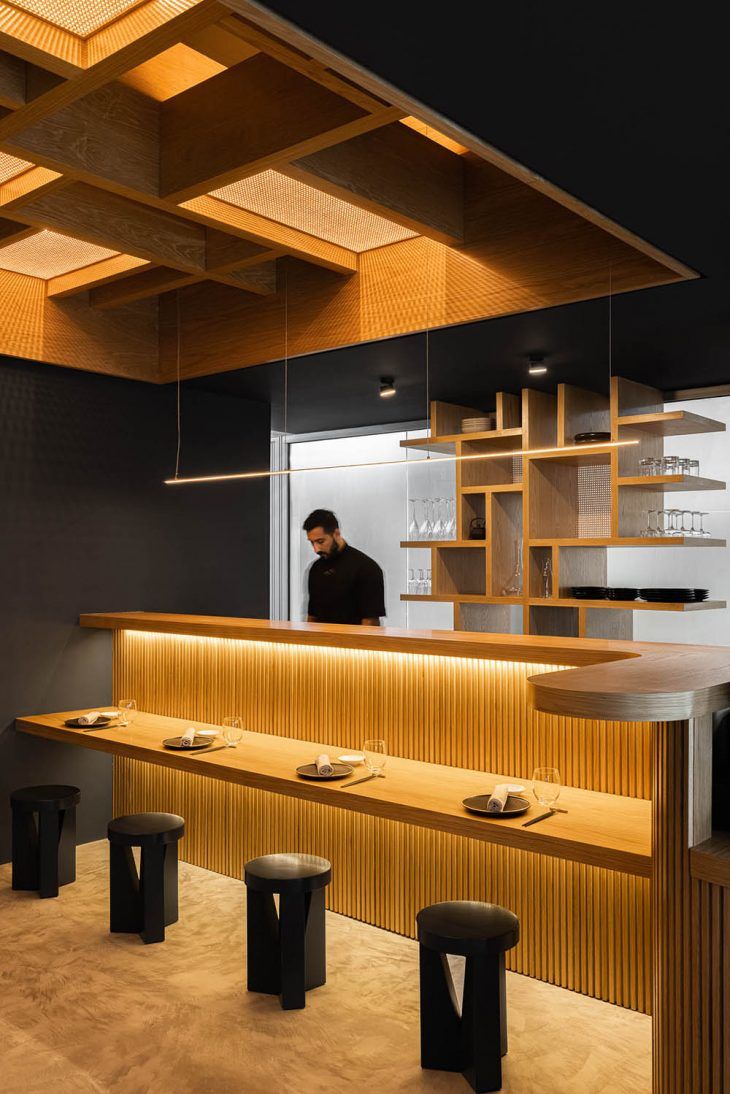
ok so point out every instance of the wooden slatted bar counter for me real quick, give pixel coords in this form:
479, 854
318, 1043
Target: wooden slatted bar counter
612, 898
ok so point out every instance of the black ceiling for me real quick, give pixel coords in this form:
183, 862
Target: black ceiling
623, 106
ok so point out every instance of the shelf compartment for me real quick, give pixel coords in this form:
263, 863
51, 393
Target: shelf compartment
569, 498
548, 618
671, 423
628, 605
627, 541
505, 523
672, 483
459, 571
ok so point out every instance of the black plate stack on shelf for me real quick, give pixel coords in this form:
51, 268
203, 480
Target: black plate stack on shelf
674, 596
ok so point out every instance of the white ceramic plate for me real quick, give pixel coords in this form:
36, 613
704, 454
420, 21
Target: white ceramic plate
351, 758
206, 732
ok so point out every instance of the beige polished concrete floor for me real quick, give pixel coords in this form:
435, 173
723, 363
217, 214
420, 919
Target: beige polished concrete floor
83, 1011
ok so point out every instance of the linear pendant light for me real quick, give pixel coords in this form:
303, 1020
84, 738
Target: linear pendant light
584, 448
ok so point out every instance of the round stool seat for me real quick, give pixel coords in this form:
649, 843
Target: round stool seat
468, 928
146, 829
45, 798
291, 873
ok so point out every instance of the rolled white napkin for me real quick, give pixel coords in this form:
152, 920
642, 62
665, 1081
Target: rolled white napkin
323, 765
88, 719
498, 798
188, 737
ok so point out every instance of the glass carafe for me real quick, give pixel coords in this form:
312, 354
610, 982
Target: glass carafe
513, 585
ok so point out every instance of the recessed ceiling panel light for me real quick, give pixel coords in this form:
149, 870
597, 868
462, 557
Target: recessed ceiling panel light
10, 166
49, 254
81, 17
288, 201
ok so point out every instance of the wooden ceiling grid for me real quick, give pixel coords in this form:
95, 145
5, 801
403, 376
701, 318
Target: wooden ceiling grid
206, 151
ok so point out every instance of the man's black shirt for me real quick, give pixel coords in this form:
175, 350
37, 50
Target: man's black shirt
346, 588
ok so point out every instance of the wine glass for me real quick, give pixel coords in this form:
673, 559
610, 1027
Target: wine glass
375, 756
127, 711
413, 526
425, 527
438, 522
411, 580
232, 729
546, 785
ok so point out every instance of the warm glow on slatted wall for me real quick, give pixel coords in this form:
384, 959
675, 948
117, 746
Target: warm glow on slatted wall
49, 254
10, 166
172, 71
294, 203
81, 17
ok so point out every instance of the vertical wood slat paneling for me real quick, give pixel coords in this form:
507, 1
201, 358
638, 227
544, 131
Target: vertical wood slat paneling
583, 927
691, 928
450, 710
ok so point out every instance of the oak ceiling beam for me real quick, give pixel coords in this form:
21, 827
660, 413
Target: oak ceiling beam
395, 172
105, 272
140, 286
225, 252
260, 279
247, 119
158, 36
109, 220
11, 231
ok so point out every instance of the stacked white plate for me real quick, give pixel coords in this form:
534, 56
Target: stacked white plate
477, 425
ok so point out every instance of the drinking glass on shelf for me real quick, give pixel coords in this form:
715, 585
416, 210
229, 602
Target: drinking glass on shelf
428, 582
651, 524
670, 465
232, 729
421, 583
451, 530
411, 580
686, 528
672, 525
425, 529
683, 466
438, 519
375, 756
413, 524
696, 523
706, 535
694, 467
127, 711
546, 785
648, 466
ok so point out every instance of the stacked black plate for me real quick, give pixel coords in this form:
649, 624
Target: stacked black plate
589, 592
674, 596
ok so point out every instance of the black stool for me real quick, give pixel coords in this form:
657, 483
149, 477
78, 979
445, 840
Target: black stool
286, 956
144, 904
44, 851
474, 1041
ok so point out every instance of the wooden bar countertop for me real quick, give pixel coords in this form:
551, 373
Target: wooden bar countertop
599, 829
606, 679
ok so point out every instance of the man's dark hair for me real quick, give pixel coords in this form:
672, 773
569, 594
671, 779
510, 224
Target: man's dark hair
321, 518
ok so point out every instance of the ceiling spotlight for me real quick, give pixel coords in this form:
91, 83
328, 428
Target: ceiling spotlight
387, 387
536, 366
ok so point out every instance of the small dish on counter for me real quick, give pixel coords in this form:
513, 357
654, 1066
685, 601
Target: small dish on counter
339, 771
479, 803
198, 742
352, 758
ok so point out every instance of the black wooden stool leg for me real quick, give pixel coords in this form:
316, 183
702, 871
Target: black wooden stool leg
67, 846
315, 946
170, 884
292, 930
48, 840
125, 910
263, 962
25, 851
440, 1026
152, 890
482, 1023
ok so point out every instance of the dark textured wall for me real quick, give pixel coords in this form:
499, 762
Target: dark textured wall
86, 524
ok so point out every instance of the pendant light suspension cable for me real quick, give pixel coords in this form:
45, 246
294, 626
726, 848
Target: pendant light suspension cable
179, 415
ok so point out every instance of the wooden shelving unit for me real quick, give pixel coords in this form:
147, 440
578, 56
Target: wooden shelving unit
562, 506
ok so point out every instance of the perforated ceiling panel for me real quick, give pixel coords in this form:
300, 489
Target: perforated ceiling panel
82, 17
290, 202
49, 254
10, 166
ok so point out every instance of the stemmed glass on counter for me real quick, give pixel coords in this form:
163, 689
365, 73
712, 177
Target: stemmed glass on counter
127, 711
546, 785
376, 756
232, 729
